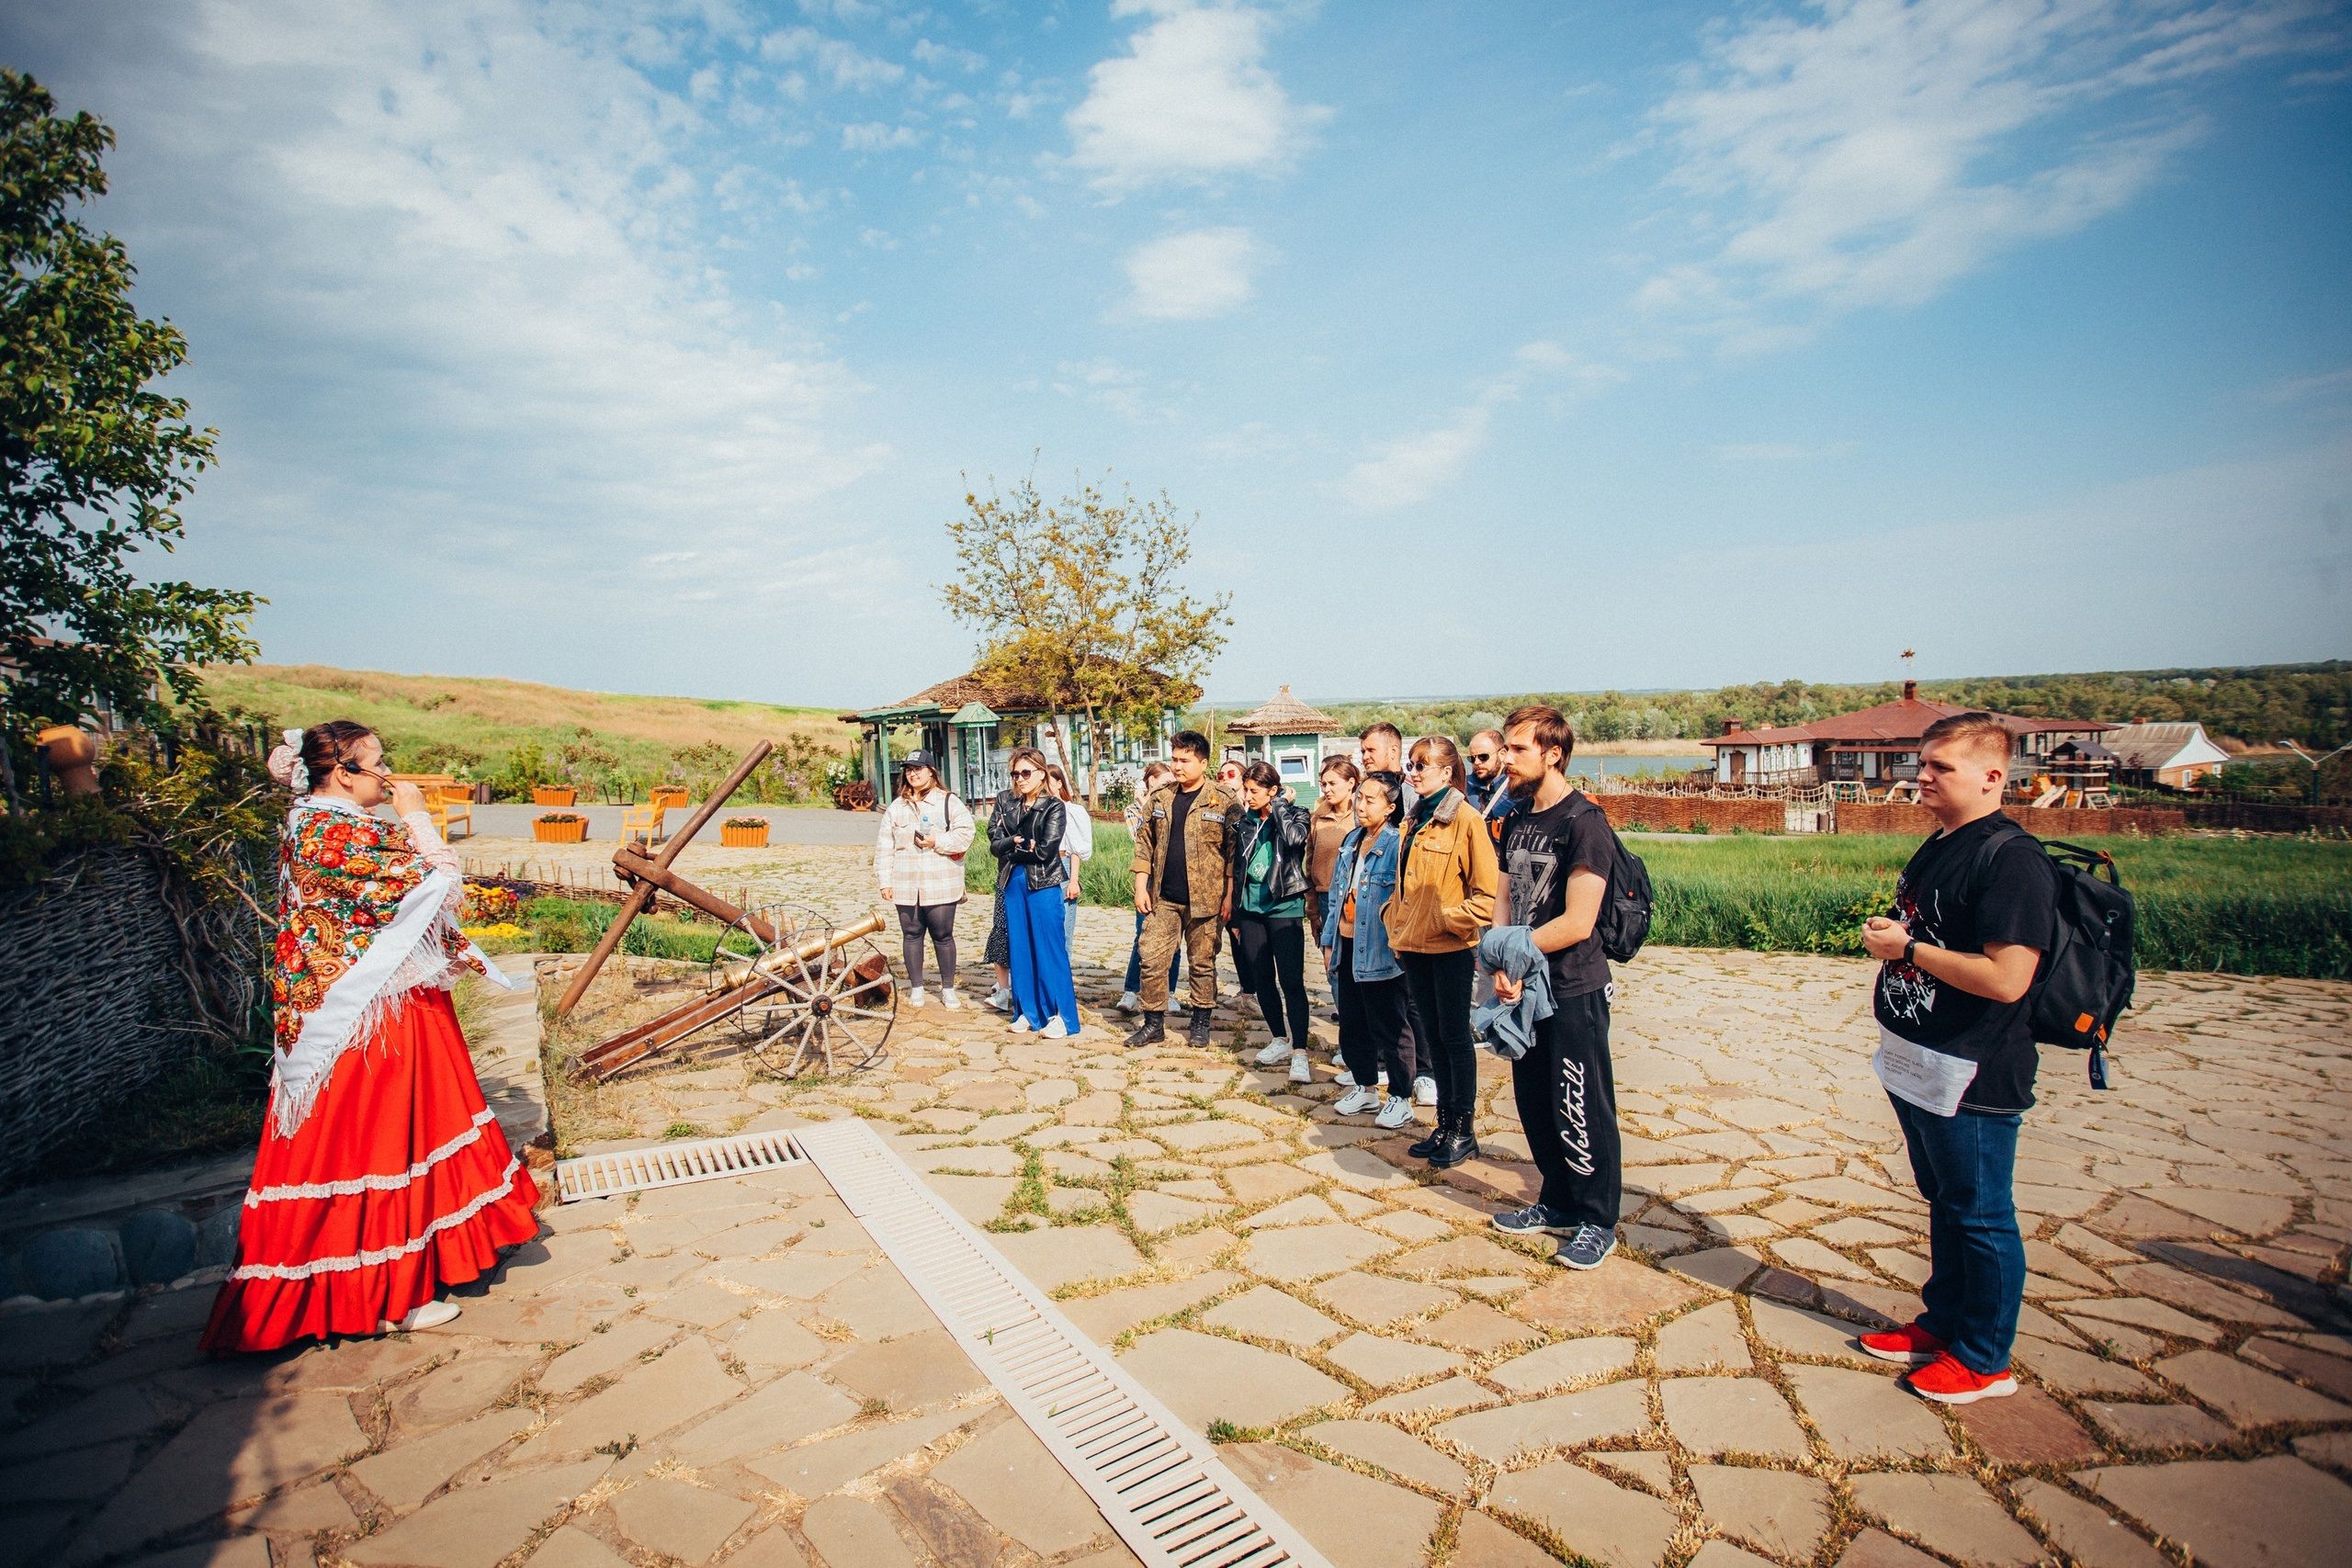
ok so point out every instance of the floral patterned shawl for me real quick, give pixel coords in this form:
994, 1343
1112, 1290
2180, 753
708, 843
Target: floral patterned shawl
366, 916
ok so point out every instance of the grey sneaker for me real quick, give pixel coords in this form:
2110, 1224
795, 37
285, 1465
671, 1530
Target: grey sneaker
1587, 1248
1533, 1219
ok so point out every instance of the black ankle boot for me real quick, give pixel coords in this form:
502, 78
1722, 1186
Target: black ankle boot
1202, 1034
1455, 1143
1423, 1147
1151, 1032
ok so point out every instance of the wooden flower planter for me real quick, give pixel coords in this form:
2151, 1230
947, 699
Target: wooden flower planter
748, 836
554, 794
670, 795
554, 829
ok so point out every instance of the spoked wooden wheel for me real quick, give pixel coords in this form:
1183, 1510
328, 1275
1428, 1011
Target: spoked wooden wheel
760, 932
825, 1011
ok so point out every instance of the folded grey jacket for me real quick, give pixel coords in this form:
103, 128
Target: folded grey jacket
1508, 1029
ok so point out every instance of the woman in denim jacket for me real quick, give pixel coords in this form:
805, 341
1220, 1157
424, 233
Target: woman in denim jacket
1366, 979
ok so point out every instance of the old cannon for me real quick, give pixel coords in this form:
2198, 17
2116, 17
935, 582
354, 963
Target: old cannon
803, 990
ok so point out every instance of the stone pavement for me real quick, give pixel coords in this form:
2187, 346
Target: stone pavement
730, 1373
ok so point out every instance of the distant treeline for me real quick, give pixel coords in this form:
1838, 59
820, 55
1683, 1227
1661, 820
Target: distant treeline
2256, 705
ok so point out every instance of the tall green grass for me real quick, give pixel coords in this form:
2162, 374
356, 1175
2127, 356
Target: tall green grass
1104, 878
574, 925
2252, 907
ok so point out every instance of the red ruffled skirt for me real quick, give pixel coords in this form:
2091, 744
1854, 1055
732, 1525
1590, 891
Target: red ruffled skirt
399, 1182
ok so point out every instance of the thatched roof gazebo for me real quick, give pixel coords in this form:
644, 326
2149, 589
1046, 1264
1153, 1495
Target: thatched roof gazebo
1287, 733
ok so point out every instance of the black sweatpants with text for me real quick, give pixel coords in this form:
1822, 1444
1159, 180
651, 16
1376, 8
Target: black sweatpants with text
1566, 1095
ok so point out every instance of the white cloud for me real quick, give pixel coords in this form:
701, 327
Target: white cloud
1411, 468
1104, 382
873, 136
1192, 277
941, 55
1873, 152
847, 65
1190, 101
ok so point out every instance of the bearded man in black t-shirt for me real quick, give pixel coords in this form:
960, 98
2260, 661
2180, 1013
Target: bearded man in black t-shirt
1556, 854
1972, 917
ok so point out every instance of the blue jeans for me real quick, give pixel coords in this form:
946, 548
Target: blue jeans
1965, 1165
1041, 978
1134, 961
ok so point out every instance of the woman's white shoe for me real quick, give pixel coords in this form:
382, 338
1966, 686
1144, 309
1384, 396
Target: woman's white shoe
1018, 1026
1301, 1068
1355, 1102
1396, 1112
1055, 1030
950, 1000
914, 995
432, 1314
1274, 1054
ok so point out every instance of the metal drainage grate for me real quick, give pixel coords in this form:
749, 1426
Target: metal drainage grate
672, 1164
1161, 1486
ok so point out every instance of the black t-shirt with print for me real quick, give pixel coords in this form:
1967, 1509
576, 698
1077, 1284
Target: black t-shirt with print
1539, 849
1952, 900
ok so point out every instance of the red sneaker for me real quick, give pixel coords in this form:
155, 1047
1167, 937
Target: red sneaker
1946, 1382
1911, 1345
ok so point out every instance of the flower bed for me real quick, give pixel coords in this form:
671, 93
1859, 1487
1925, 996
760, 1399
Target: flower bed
554, 794
743, 833
676, 796
559, 828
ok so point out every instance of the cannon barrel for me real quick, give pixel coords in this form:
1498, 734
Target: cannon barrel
777, 960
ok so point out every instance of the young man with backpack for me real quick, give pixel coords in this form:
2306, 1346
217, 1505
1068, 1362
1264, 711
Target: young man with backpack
1558, 853
1975, 909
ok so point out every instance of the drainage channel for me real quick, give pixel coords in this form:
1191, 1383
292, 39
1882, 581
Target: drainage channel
1162, 1487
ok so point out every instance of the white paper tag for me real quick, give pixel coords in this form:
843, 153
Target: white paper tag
1929, 1079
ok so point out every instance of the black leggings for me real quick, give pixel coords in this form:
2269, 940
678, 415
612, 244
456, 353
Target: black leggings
1439, 986
939, 920
1273, 951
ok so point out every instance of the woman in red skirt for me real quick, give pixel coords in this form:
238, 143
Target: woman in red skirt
382, 1175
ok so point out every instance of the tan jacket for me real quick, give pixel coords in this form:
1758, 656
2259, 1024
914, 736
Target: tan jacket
1445, 890
1208, 845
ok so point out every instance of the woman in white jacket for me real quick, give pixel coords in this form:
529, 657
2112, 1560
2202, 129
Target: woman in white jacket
919, 860
1078, 844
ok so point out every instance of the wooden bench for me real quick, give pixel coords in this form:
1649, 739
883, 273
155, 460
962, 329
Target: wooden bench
643, 822
451, 803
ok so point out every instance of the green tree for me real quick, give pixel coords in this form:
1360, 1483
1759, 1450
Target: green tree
1082, 602
94, 463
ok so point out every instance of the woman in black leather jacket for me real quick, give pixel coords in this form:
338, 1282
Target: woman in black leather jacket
1028, 835
1266, 908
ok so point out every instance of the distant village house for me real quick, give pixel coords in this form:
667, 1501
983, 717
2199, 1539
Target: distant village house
972, 723
1875, 747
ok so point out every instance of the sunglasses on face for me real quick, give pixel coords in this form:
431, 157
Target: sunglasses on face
1431, 766
1482, 756
1025, 774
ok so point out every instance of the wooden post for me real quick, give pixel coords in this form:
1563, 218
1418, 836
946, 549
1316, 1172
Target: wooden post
641, 895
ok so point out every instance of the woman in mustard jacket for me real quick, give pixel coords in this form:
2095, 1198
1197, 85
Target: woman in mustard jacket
1445, 898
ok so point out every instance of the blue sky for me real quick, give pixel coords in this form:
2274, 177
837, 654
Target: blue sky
1499, 346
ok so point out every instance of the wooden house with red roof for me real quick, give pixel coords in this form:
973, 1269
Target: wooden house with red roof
1875, 747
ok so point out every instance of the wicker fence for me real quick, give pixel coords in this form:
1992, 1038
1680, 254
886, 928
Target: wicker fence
94, 977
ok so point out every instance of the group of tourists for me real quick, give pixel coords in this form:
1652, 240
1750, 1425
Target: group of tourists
1439, 888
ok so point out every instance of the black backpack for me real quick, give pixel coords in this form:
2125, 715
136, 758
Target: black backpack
1624, 923
2087, 975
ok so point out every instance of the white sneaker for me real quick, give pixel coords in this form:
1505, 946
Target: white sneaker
1344, 1079
1274, 1054
999, 1001
1301, 1068
432, 1314
1397, 1112
1425, 1091
1129, 1002
1355, 1102
1055, 1030
950, 1000
914, 995
1018, 1026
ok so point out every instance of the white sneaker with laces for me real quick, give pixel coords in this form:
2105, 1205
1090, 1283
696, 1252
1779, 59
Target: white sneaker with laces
432, 1314
914, 995
950, 1000
1425, 1091
1129, 1002
1055, 1030
1274, 1054
1301, 1068
1395, 1112
1018, 1026
999, 1001
1355, 1102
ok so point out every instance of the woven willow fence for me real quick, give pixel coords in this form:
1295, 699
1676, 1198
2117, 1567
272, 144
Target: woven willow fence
107, 976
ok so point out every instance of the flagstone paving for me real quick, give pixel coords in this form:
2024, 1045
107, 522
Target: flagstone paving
731, 1372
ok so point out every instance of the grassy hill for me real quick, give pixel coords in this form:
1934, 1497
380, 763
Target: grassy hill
515, 733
